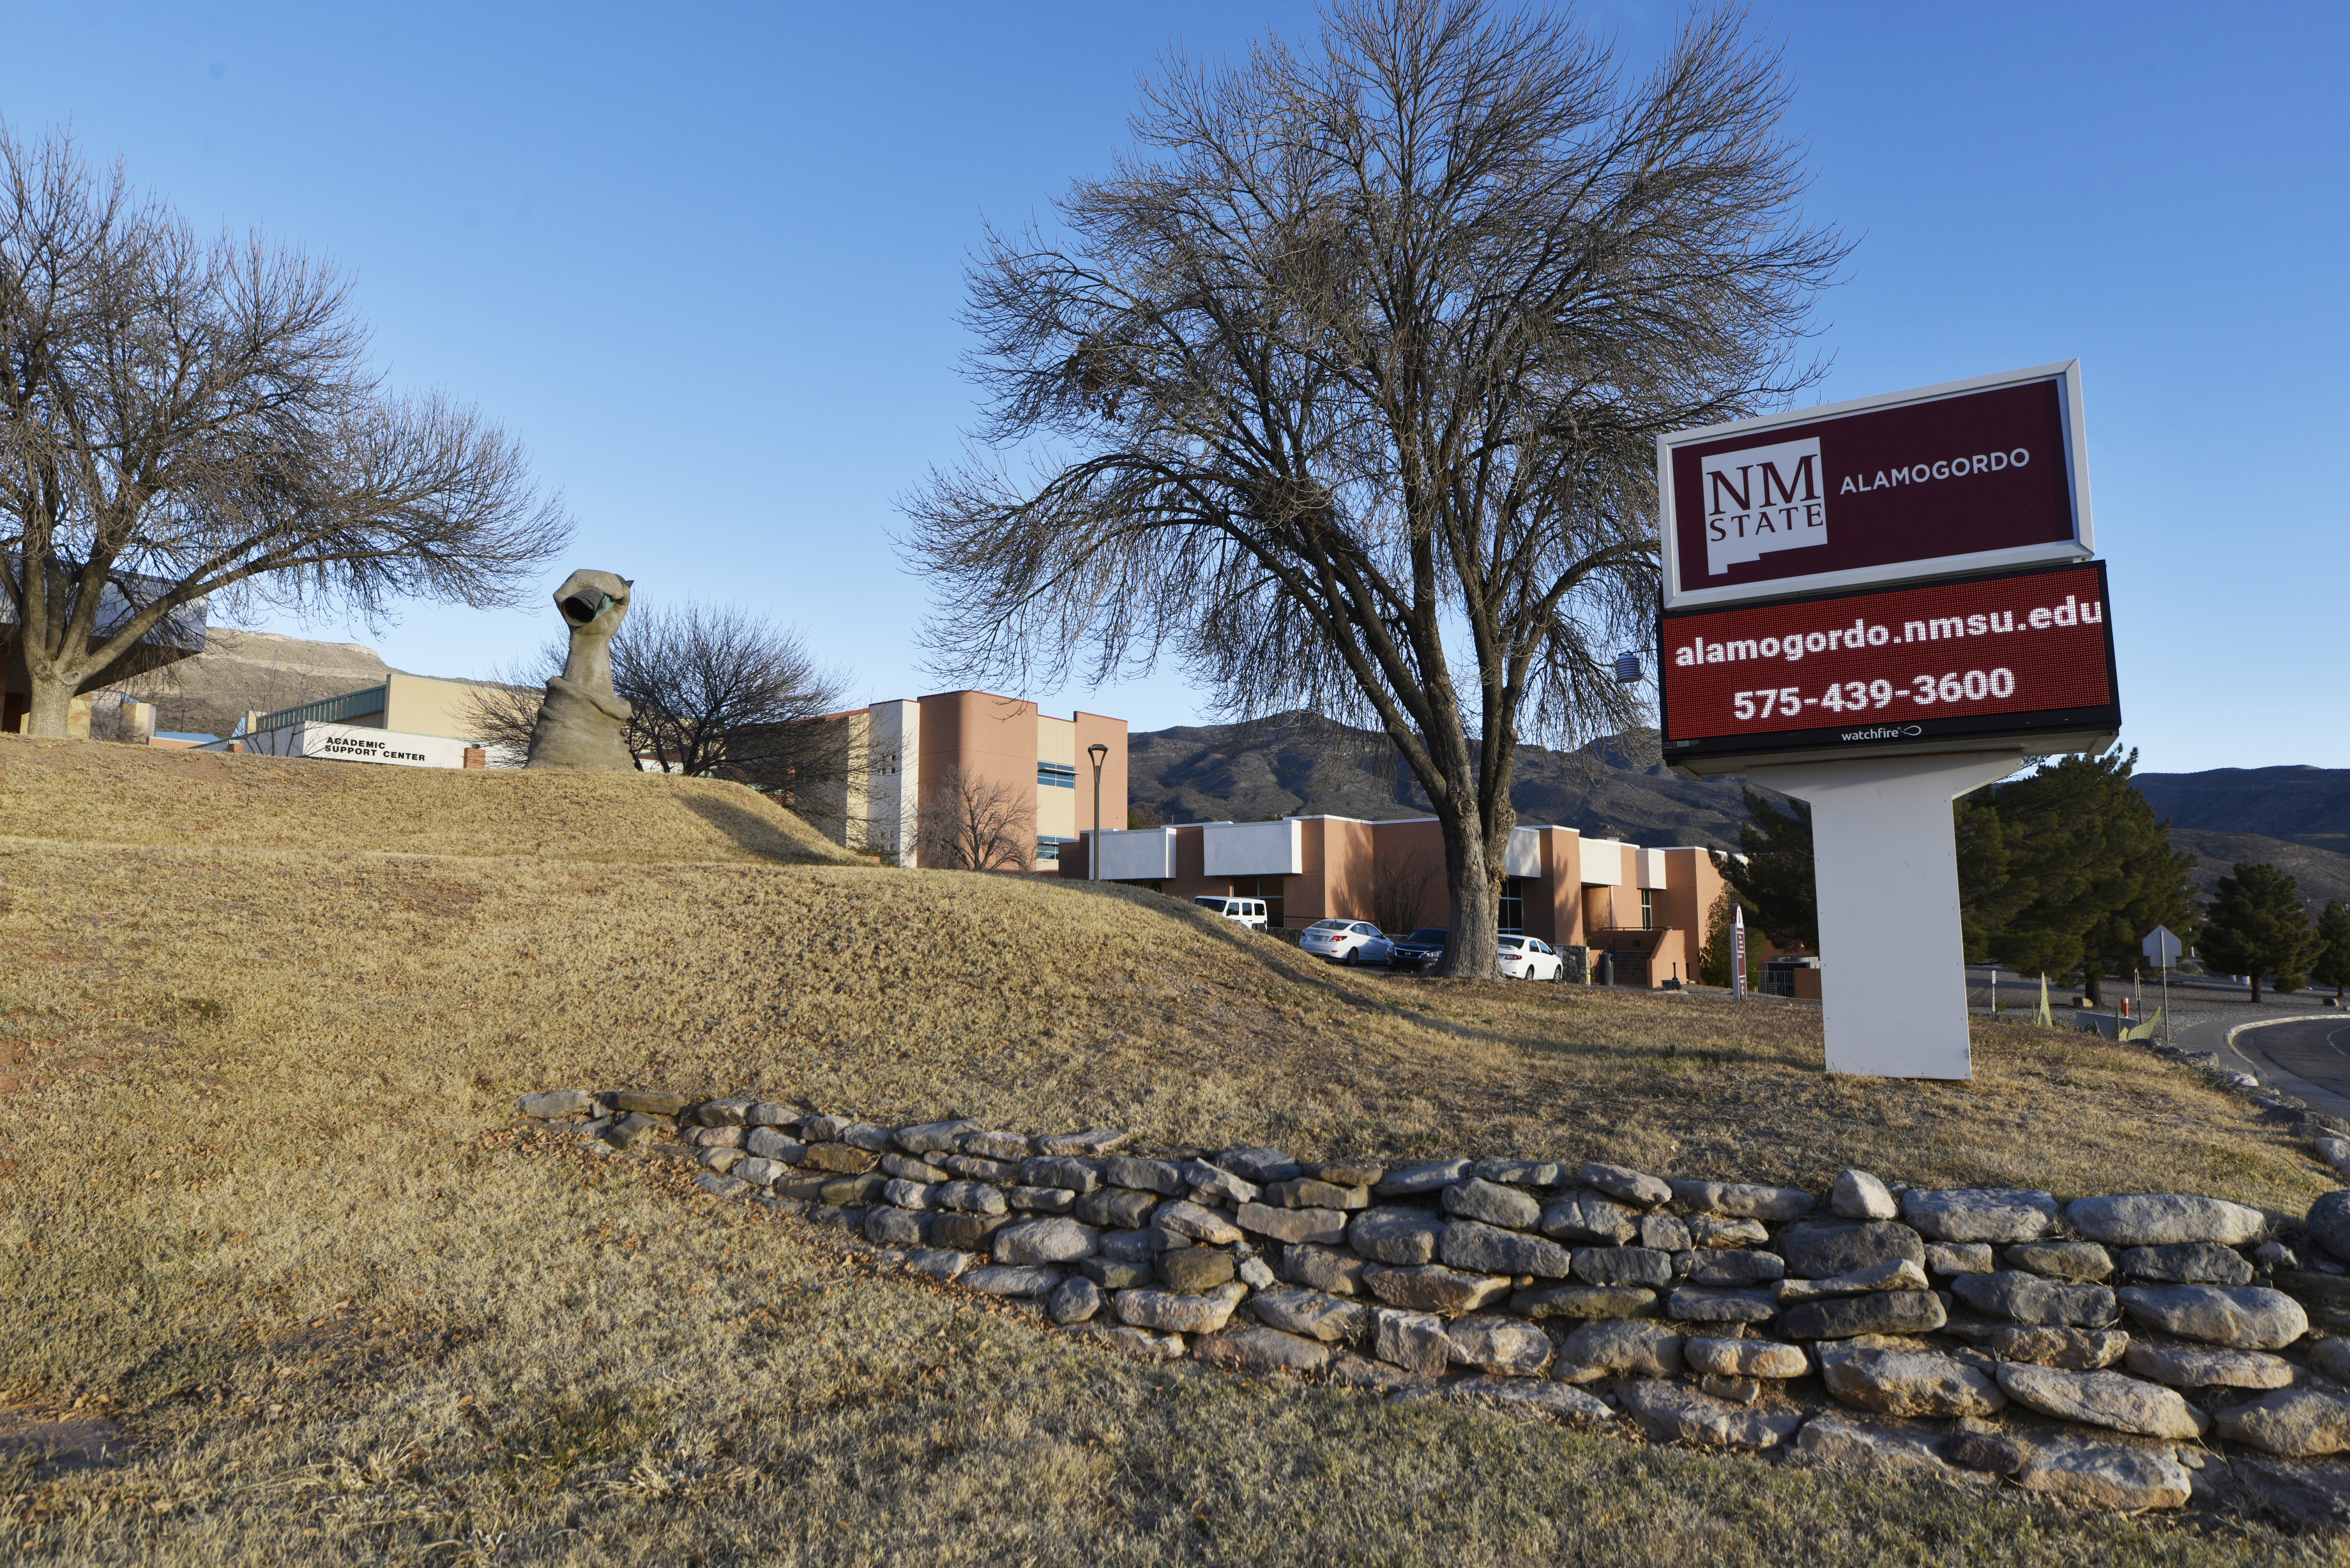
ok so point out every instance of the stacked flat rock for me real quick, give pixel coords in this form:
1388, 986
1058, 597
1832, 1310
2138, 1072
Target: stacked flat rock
1595, 1290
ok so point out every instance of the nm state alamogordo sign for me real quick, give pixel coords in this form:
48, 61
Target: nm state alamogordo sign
1966, 477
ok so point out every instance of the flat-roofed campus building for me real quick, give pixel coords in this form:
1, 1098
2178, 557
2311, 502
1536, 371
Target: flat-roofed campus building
413, 720
1643, 910
906, 756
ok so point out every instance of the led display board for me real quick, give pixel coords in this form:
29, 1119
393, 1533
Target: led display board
1932, 666
1968, 476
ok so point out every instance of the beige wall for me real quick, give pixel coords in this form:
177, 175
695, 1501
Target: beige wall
426, 705
1056, 740
1056, 808
894, 735
839, 807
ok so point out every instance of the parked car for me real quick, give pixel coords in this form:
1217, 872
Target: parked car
1347, 941
1249, 912
1421, 949
1530, 958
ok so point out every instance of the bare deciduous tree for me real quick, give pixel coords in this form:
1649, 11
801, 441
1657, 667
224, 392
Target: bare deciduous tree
182, 419
1360, 359
711, 691
1399, 891
500, 712
974, 824
715, 687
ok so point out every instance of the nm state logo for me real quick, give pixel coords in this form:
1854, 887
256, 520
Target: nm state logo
1763, 499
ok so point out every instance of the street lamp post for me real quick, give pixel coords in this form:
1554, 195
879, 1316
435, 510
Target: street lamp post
1099, 753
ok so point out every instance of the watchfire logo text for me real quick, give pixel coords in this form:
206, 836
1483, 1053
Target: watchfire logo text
1763, 499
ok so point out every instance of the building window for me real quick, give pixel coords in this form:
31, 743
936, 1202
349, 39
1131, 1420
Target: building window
1060, 775
1513, 905
1648, 908
1269, 889
1049, 850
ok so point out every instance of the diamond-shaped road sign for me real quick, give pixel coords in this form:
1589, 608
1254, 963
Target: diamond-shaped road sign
2162, 947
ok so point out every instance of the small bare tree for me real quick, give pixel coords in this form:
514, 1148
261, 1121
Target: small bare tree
182, 419
974, 823
500, 713
1399, 891
716, 690
1359, 364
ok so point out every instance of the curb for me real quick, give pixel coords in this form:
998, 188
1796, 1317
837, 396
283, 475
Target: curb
2244, 1028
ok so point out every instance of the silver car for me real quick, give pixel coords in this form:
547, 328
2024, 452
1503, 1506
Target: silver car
1347, 941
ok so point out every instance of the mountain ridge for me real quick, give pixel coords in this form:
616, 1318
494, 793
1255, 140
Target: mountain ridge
1302, 764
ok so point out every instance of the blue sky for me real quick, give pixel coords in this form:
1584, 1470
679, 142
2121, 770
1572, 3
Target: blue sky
706, 262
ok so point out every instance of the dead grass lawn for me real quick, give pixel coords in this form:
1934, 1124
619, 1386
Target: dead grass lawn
262, 1030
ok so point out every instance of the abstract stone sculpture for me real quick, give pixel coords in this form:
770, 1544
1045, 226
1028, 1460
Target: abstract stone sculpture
580, 721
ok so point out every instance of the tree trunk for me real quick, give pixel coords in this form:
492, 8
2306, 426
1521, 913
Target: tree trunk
2256, 989
1474, 950
2092, 992
52, 701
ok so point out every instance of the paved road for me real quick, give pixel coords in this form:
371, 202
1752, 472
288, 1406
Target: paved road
2309, 1057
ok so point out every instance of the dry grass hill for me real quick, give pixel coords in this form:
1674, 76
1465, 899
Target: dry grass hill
270, 1238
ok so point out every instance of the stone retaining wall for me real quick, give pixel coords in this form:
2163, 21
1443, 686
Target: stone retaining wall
1883, 1326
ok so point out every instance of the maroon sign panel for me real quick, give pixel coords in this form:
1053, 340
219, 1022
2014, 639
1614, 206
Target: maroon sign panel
1919, 485
1977, 657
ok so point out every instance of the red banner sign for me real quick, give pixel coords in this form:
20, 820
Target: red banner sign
1972, 475
1975, 657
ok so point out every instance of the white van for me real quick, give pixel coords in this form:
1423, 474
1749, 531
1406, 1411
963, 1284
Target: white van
1249, 912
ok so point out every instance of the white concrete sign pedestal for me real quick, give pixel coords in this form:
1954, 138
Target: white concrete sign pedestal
1893, 989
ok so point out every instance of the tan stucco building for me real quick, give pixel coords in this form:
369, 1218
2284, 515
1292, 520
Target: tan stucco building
410, 705
417, 721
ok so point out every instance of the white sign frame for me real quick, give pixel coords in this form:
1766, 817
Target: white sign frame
2082, 546
358, 744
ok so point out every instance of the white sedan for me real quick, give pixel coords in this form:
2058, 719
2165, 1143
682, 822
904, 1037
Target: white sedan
1529, 957
1347, 941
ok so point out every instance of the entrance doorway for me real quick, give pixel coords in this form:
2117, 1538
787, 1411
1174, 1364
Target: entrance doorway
1267, 888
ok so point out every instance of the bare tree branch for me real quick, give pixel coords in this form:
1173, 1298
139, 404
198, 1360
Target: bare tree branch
974, 824
1358, 363
1399, 892
182, 419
